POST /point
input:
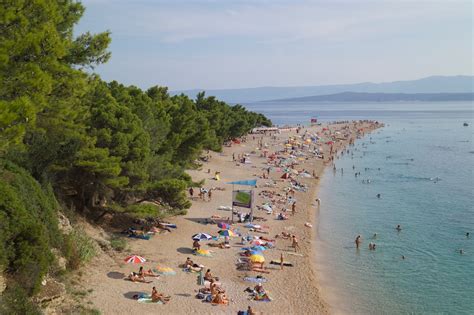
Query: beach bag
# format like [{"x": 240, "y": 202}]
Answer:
[{"x": 200, "y": 296}]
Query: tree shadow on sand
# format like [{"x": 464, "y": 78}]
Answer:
[
  {"x": 185, "y": 250},
  {"x": 116, "y": 275},
  {"x": 203, "y": 221}
]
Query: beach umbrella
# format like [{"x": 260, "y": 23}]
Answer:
[
  {"x": 134, "y": 259},
  {"x": 257, "y": 258},
  {"x": 165, "y": 271},
  {"x": 223, "y": 225},
  {"x": 259, "y": 248},
  {"x": 202, "y": 237},
  {"x": 203, "y": 252},
  {"x": 226, "y": 233}
]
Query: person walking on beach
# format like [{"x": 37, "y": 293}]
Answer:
[
  {"x": 358, "y": 241},
  {"x": 295, "y": 243},
  {"x": 191, "y": 192}
]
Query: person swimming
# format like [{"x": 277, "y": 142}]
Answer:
[
  {"x": 467, "y": 234},
  {"x": 398, "y": 228},
  {"x": 378, "y": 196},
  {"x": 374, "y": 236}
]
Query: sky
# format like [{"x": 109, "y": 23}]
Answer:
[{"x": 216, "y": 44}]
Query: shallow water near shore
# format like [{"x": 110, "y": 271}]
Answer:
[{"x": 422, "y": 164}]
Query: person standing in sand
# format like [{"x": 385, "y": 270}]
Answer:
[
  {"x": 293, "y": 208},
  {"x": 209, "y": 194},
  {"x": 295, "y": 244}
]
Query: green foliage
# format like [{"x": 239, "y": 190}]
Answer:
[
  {"x": 28, "y": 226},
  {"x": 118, "y": 244},
  {"x": 172, "y": 192},
  {"x": 94, "y": 145},
  {"x": 143, "y": 210},
  {"x": 15, "y": 301},
  {"x": 78, "y": 249}
]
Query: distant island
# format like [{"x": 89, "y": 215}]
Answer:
[
  {"x": 433, "y": 84},
  {"x": 382, "y": 97}
]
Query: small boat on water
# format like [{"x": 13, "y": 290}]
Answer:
[{"x": 465, "y": 124}]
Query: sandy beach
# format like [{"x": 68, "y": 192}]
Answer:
[{"x": 293, "y": 290}]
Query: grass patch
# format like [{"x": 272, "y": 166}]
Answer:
[{"x": 119, "y": 244}]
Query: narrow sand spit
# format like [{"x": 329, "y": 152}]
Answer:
[{"x": 294, "y": 290}]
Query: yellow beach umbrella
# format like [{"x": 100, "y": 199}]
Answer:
[{"x": 257, "y": 258}]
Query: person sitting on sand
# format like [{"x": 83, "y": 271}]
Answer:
[
  {"x": 136, "y": 278},
  {"x": 220, "y": 298},
  {"x": 260, "y": 293},
  {"x": 191, "y": 266},
  {"x": 196, "y": 245},
  {"x": 159, "y": 297},
  {"x": 215, "y": 288},
  {"x": 208, "y": 276}
]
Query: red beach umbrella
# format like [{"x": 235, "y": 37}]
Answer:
[{"x": 134, "y": 259}]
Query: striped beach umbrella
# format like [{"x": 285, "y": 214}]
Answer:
[
  {"x": 226, "y": 233},
  {"x": 223, "y": 225},
  {"x": 134, "y": 259},
  {"x": 202, "y": 237}
]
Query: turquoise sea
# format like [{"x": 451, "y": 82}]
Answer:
[{"x": 422, "y": 164}]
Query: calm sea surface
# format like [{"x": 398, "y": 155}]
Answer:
[{"x": 422, "y": 164}]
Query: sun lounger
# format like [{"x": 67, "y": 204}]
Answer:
[{"x": 278, "y": 262}]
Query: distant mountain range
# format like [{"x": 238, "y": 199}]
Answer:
[
  {"x": 382, "y": 97},
  {"x": 434, "y": 84}
]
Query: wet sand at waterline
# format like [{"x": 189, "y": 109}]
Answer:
[{"x": 294, "y": 290}]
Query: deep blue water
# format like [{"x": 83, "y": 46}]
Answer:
[{"x": 426, "y": 181}]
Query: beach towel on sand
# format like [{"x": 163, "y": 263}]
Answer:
[
  {"x": 255, "y": 279},
  {"x": 148, "y": 301},
  {"x": 141, "y": 237},
  {"x": 261, "y": 297}
]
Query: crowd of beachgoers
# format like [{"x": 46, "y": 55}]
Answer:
[{"x": 220, "y": 258}]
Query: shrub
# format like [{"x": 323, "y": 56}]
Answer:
[
  {"x": 28, "y": 227},
  {"x": 15, "y": 301},
  {"x": 118, "y": 244},
  {"x": 78, "y": 249}
]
